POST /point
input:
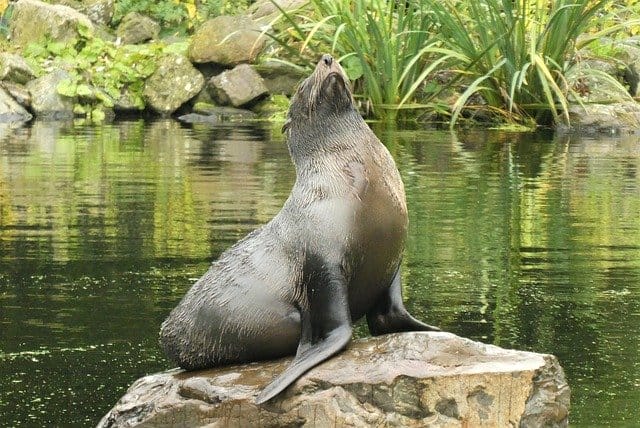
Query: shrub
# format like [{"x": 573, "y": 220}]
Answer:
[
  {"x": 391, "y": 45},
  {"x": 99, "y": 70},
  {"x": 516, "y": 53}
]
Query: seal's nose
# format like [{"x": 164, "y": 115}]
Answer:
[{"x": 327, "y": 59}]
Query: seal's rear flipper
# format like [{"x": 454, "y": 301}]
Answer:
[
  {"x": 389, "y": 314},
  {"x": 325, "y": 326}
]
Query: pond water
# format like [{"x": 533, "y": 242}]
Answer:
[{"x": 528, "y": 241}]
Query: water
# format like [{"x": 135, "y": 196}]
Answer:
[{"x": 528, "y": 241}]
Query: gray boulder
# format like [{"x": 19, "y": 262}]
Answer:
[
  {"x": 18, "y": 92},
  {"x": 237, "y": 87},
  {"x": 10, "y": 110},
  {"x": 14, "y": 68},
  {"x": 46, "y": 102},
  {"x": 279, "y": 77},
  {"x": 604, "y": 104},
  {"x": 99, "y": 11},
  {"x": 174, "y": 83},
  {"x": 207, "y": 113},
  {"x": 227, "y": 40},
  {"x": 592, "y": 119},
  {"x": 128, "y": 101},
  {"x": 35, "y": 21},
  {"x": 399, "y": 380},
  {"x": 621, "y": 59},
  {"x": 137, "y": 28}
]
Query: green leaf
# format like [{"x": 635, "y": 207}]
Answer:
[
  {"x": 97, "y": 115},
  {"x": 56, "y": 48},
  {"x": 83, "y": 90},
  {"x": 353, "y": 67},
  {"x": 68, "y": 88},
  {"x": 105, "y": 99},
  {"x": 79, "y": 110}
]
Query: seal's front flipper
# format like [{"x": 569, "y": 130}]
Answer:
[
  {"x": 325, "y": 325},
  {"x": 389, "y": 315}
]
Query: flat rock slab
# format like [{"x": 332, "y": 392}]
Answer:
[{"x": 408, "y": 379}]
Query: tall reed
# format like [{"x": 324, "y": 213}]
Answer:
[
  {"x": 516, "y": 52},
  {"x": 391, "y": 45}
]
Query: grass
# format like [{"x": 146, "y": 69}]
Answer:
[
  {"x": 390, "y": 47},
  {"x": 517, "y": 53},
  {"x": 514, "y": 54}
]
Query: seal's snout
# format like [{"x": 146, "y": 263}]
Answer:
[{"x": 327, "y": 60}]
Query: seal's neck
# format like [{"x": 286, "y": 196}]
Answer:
[{"x": 311, "y": 137}]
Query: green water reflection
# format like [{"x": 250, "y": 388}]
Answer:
[{"x": 527, "y": 241}]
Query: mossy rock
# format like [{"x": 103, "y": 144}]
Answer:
[
  {"x": 33, "y": 21},
  {"x": 174, "y": 83},
  {"x": 136, "y": 28},
  {"x": 10, "y": 110},
  {"x": 46, "y": 102},
  {"x": 14, "y": 68},
  {"x": 227, "y": 40}
]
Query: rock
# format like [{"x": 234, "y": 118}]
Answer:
[
  {"x": 279, "y": 77},
  {"x": 631, "y": 58},
  {"x": 10, "y": 110},
  {"x": 198, "y": 118},
  {"x": 607, "y": 105},
  {"x": 408, "y": 380},
  {"x": 18, "y": 93},
  {"x": 100, "y": 11},
  {"x": 174, "y": 83},
  {"x": 128, "y": 101},
  {"x": 274, "y": 107},
  {"x": 35, "y": 21},
  {"x": 227, "y": 40},
  {"x": 14, "y": 68},
  {"x": 46, "y": 102},
  {"x": 238, "y": 87},
  {"x": 207, "y": 113},
  {"x": 266, "y": 11},
  {"x": 596, "y": 87},
  {"x": 136, "y": 28},
  {"x": 616, "y": 118},
  {"x": 618, "y": 58}
]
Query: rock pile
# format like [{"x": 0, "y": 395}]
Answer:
[{"x": 218, "y": 68}]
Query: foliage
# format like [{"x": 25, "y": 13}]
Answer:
[
  {"x": 516, "y": 54},
  {"x": 211, "y": 8},
  {"x": 620, "y": 12},
  {"x": 178, "y": 14},
  {"x": 390, "y": 45},
  {"x": 167, "y": 13},
  {"x": 509, "y": 57},
  {"x": 100, "y": 70},
  {"x": 5, "y": 15}
]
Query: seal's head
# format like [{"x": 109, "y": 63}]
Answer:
[{"x": 324, "y": 94}]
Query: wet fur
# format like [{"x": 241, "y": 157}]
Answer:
[{"x": 346, "y": 210}]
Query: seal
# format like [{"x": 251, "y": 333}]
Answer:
[{"x": 329, "y": 257}]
